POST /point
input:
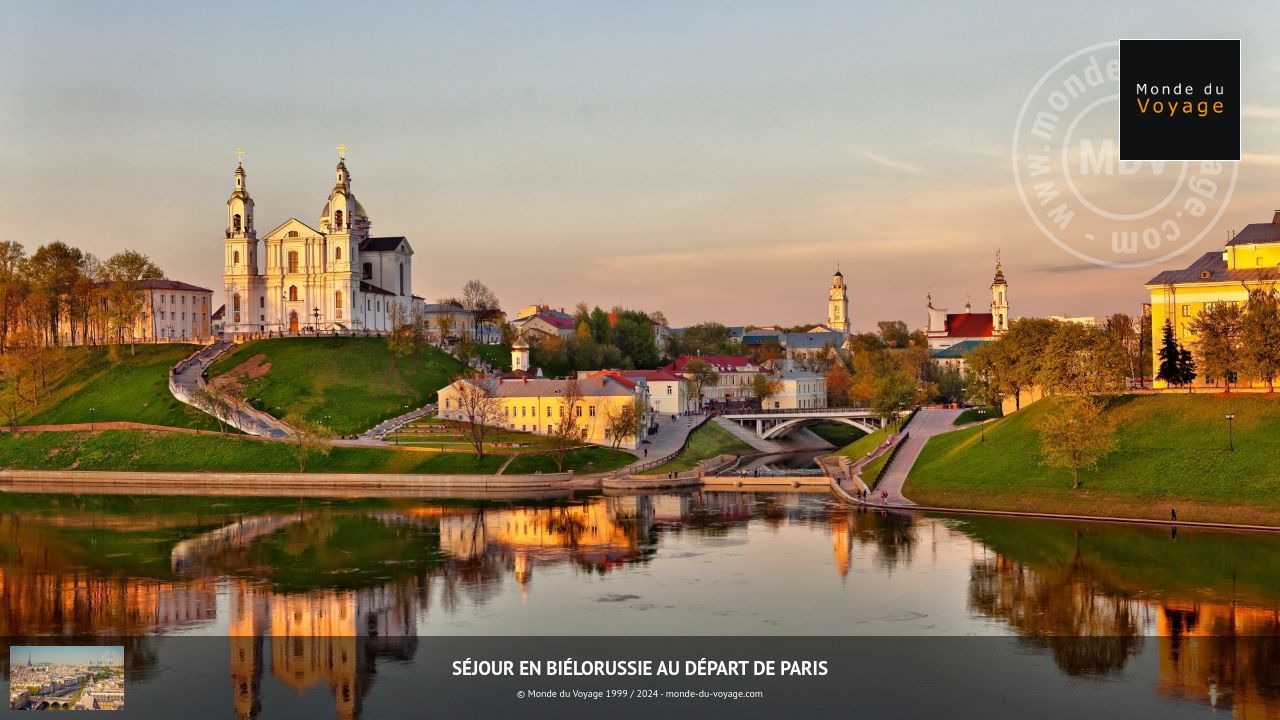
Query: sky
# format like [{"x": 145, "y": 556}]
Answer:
[
  {"x": 712, "y": 160},
  {"x": 66, "y": 654}
]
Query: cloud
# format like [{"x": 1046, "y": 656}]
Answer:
[
  {"x": 1259, "y": 111},
  {"x": 900, "y": 165}
]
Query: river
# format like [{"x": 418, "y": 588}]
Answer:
[{"x": 702, "y": 563}]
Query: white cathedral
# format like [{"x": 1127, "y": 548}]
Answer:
[{"x": 336, "y": 278}]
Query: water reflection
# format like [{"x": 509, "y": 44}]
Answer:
[{"x": 318, "y": 594}]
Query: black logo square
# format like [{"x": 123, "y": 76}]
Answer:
[{"x": 1180, "y": 100}]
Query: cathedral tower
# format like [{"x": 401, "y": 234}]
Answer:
[
  {"x": 999, "y": 301},
  {"x": 241, "y": 278},
  {"x": 838, "y": 306}
]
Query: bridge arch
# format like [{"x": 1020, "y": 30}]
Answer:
[{"x": 785, "y": 428}]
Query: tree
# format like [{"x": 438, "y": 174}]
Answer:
[
  {"x": 837, "y": 385},
  {"x": 1075, "y": 435},
  {"x": 309, "y": 438},
  {"x": 1170, "y": 356},
  {"x": 1219, "y": 349},
  {"x": 764, "y": 387},
  {"x": 479, "y": 407},
  {"x": 1120, "y": 327},
  {"x": 698, "y": 375},
  {"x": 53, "y": 270},
  {"x": 1081, "y": 360},
  {"x": 894, "y": 391},
  {"x": 627, "y": 420},
  {"x": 1186, "y": 367},
  {"x": 481, "y": 302},
  {"x": 124, "y": 274},
  {"x": 565, "y": 433},
  {"x": 13, "y": 289},
  {"x": 214, "y": 403},
  {"x": 894, "y": 333},
  {"x": 981, "y": 383},
  {"x": 1260, "y": 336}
]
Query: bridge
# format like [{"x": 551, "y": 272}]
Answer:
[{"x": 772, "y": 424}]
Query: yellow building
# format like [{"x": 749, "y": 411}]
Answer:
[
  {"x": 537, "y": 404},
  {"x": 1248, "y": 261}
]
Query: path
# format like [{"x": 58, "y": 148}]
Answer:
[
  {"x": 188, "y": 375},
  {"x": 670, "y": 438},
  {"x": 926, "y": 423}
]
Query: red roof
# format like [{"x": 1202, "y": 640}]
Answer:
[
  {"x": 719, "y": 362},
  {"x": 969, "y": 325},
  {"x": 612, "y": 375},
  {"x": 658, "y": 375}
]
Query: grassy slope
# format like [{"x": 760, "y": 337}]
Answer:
[
  {"x": 158, "y": 451},
  {"x": 1171, "y": 451},
  {"x": 133, "y": 388},
  {"x": 838, "y": 434},
  {"x": 863, "y": 445},
  {"x": 707, "y": 441},
  {"x": 498, "y": 356},
  {"x": 972, "y": 415},
  {"x": 348, "y": 384},
  {"x": 585, "y": 460}
]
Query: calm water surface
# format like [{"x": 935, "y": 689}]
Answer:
[{"x": 709, "y": 563}]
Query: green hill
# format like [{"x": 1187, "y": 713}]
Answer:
[
  {"x": 88, "y": 384},
  {"x": 1171, "y": 451},
  {"x": 347, "y": 384}
]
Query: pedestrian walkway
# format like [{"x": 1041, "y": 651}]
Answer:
[
  {"x": 669, "y": 439},
  {"x": 926, "y": 423},
  {"x": 189, "y": 375}
]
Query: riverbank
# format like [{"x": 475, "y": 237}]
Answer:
[{"x": 1172, "y": 451}]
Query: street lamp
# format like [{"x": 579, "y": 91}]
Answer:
[
  {"x": 91, "y": 419},
  {"x": 1231, "y": 445},
  {"x": 315, "y": 326},
  {"x": 982, "y": 426}
]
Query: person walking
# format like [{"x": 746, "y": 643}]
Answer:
[{"x": 1173, "y": 514}]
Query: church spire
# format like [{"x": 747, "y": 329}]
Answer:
[
  {"x": 240, "y": 204},
  {"x": 999, "y": 301}
]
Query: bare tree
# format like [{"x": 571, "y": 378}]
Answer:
[
  {"x": 566, "y": 433},
  {"x": 625, "y": 421},
  {"x": 214, "y": 403},
  {"x": 479, "y": 408},
  {"x": 698, "y": 374},
  {"x": 309, "y": 438},
  {"x": 481, "y": 302}
]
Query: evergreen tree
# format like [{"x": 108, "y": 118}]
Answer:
[
  {"x": 1186, "y": 371},
  {"x": 1170, "y": 357}
]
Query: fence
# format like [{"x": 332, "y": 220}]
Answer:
[
  {"x": 893, "y": 453},
  {"x": 649, "y": 464}
]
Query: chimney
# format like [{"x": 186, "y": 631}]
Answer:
[{"x": 1275, "y": 219}]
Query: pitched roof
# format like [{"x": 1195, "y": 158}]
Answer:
[
  {"x": 658, "y": 375},
  {"x": 382, "y": 244},
  {"x": 813, "y": 340},
  {"x": 604, "y": 385},
  {"x": 1209, "y": 268},
  {"x": 554, "y": 319},
  {"x": 1258, "y": 233},
  {"x": 369, "y": 287},
  {"x": 959, "y": 350},
  {"x": 217, "y": 314},
  {"x": 969, "y": 325},
  {"x": 172, "y": 285},
  {"x": 720, "y": 362}
]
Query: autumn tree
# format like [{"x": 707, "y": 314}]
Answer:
[
  {"x": 123, "y": 277},
  {"x": 1081, "y": 360},
  {"x": 1219, "y": 347},
  {"x": 1260, "y": 336},
  {"x": 13, "y": 289},
  {"x": 764, "y": 387},
  {"x": 624, "y": 421},
  {"x": 837, "y": 377},
  {"x": 698, "y": 376},
  {"x": 1076, "y": 435}
]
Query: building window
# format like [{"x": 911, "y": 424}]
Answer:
[
  {"x": 337, "y": 253},
  {"x": 235, "y": 257},
  {"x": 293, "y": 293},
  {"x": 337, "y": 219},
  {"x": 548, "y": 411},
  {"x": 235, "y": 223},
  {"x": 579, "y": 411},
  {"x": 367, "y": 271},
  {"x": 235, "y": 303},
  {"x": 262, "y": 301},
  {"x": 401, "y": 278},
  {"x": 337, "y": 299},
  {"x": 591, "y": 411},
  {"x": 293, "y": 261},
  {"x": 1186, "y": 311}
]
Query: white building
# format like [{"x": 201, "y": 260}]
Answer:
[
  {"x": 800, "y": 389},
  {"x": 333, "y": 277}
]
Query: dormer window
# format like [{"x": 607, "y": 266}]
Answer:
[{"x": 1205, "y": 275}]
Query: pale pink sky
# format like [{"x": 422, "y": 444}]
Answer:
[{"x": 711, "y": 160}]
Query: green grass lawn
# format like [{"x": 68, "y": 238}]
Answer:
[
  {"x": 175, "y": 452},
  {"x": 1171, "y": 451},
  {"x": 498, "y": 356},
  {"x": 133, "y": 388},
  {"x": 707, "y": 441},
  {"x": 972, "y": 415},
  {"x": 585, "y": 460},
  {"x": 863, "y": 445},
  {"x": 838, "y": 434},
  {"x": 873, "y": 467},
  {"x": 347, "y": 384}
]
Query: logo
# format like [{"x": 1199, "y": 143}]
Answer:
[{"x": 1078, "y": 191}]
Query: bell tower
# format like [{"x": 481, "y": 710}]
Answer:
[
  {"x": 838, "y": 305},
  {"x": 241, "y": 243},
  {"x": 999, "y": 301}
]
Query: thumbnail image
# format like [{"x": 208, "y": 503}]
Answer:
[{"x": 66, "y": 677}]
